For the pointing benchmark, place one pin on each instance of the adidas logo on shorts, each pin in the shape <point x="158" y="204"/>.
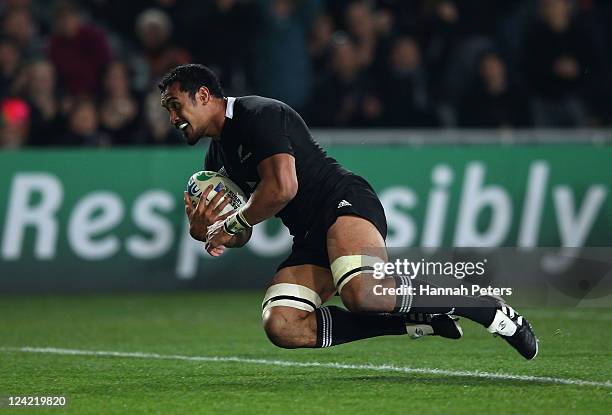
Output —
<point x="343" y="203"/>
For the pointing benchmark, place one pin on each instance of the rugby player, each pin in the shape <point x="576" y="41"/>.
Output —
<point x="337" y="222"/>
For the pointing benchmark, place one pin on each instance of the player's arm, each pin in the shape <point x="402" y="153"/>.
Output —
<point x="278" y="185"/>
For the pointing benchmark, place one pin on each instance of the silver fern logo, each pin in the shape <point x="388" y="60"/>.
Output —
<point x="242" y="157"/>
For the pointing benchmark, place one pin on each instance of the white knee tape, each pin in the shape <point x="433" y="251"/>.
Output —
<point x="291" y="295"/>
<point x="348" y="267"/>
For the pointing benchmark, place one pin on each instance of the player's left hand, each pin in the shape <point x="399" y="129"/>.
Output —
<point x="217" y="239"/>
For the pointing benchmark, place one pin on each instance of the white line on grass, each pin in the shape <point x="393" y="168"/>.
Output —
<point x="287" y="363"/>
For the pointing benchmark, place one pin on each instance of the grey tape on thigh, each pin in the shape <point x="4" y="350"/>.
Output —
<point x="291" y="295"/>
<point x="348" y="267"/>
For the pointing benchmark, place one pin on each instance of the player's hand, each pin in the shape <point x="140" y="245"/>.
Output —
<point x="217" y="251"/>
<point x="217" y="239"/>
<point x="205" y="214"/>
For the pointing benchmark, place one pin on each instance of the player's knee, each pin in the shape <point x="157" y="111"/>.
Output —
<point x="286" y="308"/>
<point x="352" y="277"/>
<point x="275" y="326"/>
<point x="279" y="325"/>
<point x="356" y="297"/>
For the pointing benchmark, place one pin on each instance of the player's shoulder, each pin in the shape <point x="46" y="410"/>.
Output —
<point x="255" y="105"/>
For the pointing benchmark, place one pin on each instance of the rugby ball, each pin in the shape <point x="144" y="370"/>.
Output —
<point x="199" y="181"/>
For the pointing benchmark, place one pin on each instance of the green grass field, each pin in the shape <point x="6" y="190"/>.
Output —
<point x="575" y="344"/>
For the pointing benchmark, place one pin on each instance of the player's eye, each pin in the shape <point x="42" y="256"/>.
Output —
<point x="172" y="106"/>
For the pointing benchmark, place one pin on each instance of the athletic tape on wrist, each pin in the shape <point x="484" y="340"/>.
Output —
<point x="240" y="217"/>
<point x="236" y="223"/>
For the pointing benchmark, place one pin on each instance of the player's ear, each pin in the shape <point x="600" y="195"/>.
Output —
<point x="203" y="95"/>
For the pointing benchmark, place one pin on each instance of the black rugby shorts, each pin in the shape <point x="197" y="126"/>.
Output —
<point x="355" y="197"/>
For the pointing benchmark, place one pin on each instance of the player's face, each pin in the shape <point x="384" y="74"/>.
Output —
<point x="190" y="115"/>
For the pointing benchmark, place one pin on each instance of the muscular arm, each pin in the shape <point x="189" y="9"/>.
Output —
<point x="277" y="187"/>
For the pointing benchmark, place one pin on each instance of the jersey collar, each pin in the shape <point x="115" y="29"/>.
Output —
<point x="229" y="110"/>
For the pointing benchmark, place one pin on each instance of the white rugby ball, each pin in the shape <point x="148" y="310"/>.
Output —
<point x="199" y="181"/>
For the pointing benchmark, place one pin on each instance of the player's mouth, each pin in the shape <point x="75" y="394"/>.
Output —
<point x="183" y="126"/>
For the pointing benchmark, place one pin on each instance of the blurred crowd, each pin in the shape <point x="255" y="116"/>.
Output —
<point x="85" y="73"/>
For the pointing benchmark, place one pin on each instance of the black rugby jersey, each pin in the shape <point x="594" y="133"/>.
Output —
<point x="256" y="128"/>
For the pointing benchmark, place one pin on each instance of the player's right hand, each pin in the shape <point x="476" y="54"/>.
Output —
<point x="205" y="214"/>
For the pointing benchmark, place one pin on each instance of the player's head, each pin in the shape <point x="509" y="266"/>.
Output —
<point x="188" y="93"/>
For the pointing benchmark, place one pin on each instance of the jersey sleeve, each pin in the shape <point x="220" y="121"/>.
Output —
<point x="270" y="134"/>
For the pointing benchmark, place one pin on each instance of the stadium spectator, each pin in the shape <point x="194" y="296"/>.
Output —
<point x="6" y="5"/>
<point x="441" y="38"/>
<point x="157" y="129"/>
<point x="118" y="16"/>
<point x="83" y="126"/>
<point x="41" y="12"/>
<point x="405" y="16"/>
<point x="216" y="17"/>
<point x="387" y="30"/>
<point x="38" y="87"/>
<point x="336" y="9"/>
<point x="481" y="17"/>
<point x="174" y="8"/>
<point x="559" y="62"/>
<point x="554" y="54"/>
<point x="18" y="24"/>
<point x="361" y="27"/>
<point x="159" y="54"/>
<point x="281" y="67"/>
<point x="320" y="46"/>
<point x="14" y="122"/>
<point x="10" y="60"/>
<point x="343" y="87"/>
<point x="493" y="102"/>
<point x="404" y="88"/>
<point x="371" y="109"/>
<point x="119" y="109"/>
<point x="600" y="96"/>
<point x="79" y="51"/>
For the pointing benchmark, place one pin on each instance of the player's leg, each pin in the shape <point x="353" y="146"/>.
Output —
<point x="290" y="302"/>
<point x="293" y="316"/>
<point x="347" y="241"/>
<point x="350" y="237"/>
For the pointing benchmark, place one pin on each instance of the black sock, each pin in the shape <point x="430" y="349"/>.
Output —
<point x="478" y="309"/>
<point x="337" y="326"/>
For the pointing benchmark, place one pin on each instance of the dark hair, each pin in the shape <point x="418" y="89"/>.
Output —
<point x="191" y="77"/>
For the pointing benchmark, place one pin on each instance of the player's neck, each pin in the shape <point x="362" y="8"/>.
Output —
<point x="219" y="121"/>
